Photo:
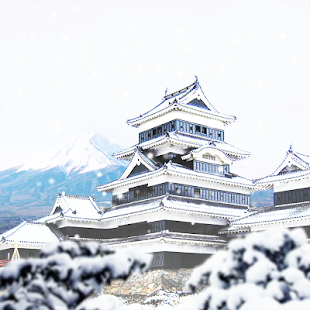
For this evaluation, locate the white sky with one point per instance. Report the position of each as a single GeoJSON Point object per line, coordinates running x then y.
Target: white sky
{"type": "Point", "coordinates": [70, 67]}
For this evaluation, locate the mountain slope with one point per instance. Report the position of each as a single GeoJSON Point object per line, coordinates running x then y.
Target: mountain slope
{"type": "Point", "coordinates": [76, 168]}
{"type": "Point", "coordinates": [84, 153]}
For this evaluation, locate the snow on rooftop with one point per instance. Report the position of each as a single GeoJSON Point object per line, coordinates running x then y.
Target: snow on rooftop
{"type": "Point", "coordinates": [284, 177]}
{"type": "Point", "coordinates": [183, 98]}
{"type": "Point", "coordinates": [175, 203]}
{"type": "Point", "coordinates": [30, 233]}
{"type": "Point", "coordinates": [221, 179]}
{"type": "Point", "coordinates": [77, 206]}
{"type": "Point", "coordinates": [187, 140]}
{"type": "Point", "coordinates": [277, 214]}
{"type": "Point", "coordinates": [178, 170]}
{"type": "Point", "coordinates": [295, 165]}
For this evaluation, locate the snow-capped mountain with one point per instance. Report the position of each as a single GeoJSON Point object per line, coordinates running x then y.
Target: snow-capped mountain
{"type": "Point", "coordinates": [76, 168]}
{"type": "Point", "coordinates": [84, 153]}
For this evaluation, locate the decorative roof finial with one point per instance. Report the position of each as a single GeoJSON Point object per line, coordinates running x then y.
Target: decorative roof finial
{"type": "Point", "coordinates": [196, 79]}
{"type": "Point", "coordinates": [166, 91]}
{"type": "Point", "coordinates": [291, 148]}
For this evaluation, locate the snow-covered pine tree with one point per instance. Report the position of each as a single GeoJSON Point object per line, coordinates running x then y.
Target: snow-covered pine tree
{"type": "Point", "coordinates": [266, 270]}
{"type": "Point", "coordinates": [64, 275]}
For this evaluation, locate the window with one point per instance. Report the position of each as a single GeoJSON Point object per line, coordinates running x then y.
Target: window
{"type": "Point", "coordinates": [159, 130]}
{"type": "Point", "coordinates": [198, 128]}
{"type": "Point", "coordinates": [154, 132]}
{"type": "Point", "coordinates": [208, 156]}
{"type": "Point", "coordinates": [204, 130]}
{"type": "Point", "coordinates": [197, 192]}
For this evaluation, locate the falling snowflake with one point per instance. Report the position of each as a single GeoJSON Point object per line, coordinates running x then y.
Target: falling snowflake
{"type": "Point", "coordinates": [51, 181]}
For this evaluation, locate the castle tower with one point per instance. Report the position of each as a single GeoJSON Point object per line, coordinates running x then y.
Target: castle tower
{"type": "Point", "coordinates": [178, 189]}
{"type": "Point", "coordinates": [290, 180]}
{"type": "Point", "coordinates": [291, 185]}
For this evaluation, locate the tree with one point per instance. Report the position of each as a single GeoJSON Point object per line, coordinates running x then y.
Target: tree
{"type": "Point", "coordinates": [64, 275]}
{"type": "Point", "coordinates": [267, 270]}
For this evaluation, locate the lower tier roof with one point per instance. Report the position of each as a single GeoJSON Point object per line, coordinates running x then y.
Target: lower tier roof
{"type": "Point", "coordinates": [185, 140]}
{"type": "Point", "coordinates": [210, 239]}
{"type": "Point", "coordinates": [175, 206]}
{"type": "Point", "coordinates": [30, 233]}
{"type": "Point", "coordinates": [275, 215]}
{"type": "Point", "coordinates": [174, 169]}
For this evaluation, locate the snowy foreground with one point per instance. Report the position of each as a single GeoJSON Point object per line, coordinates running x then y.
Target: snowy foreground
{"type": "Point", "coordinates": [268, 270]}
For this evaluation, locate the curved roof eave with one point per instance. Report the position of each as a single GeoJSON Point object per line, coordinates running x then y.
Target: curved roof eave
{"type": "Point", "coordinates": [168, 169]}
{"type": "Point", "coordinates": [227, 119]}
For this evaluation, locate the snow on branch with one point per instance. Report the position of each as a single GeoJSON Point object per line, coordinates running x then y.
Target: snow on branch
{"type": "Point", "coordinates": [65, 274]}
{"type": "Point", "coordinates": [267, 270]}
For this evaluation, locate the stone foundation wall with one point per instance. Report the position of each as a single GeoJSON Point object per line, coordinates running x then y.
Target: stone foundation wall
{"type": "Point", "coordinates": [150, 282]}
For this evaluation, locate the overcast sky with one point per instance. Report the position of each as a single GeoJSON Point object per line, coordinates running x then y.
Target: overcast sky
{"type": "Point", "coordinates": [71, 67]}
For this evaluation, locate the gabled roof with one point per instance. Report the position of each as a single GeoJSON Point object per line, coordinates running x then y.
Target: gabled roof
{"type": "Point", "coordinates": [225, 151]}
{"type": "Point", "coordinates": [29, 233]}
{"type": "Point", "coordinates": [190, 99]}
{"type": "Point", "coordinates": [139, 159]}
{"type": "Point", "coordinates": [294, 166]}
{"type": "Point", "coordinates": [75, 206]}
{"type": "Point", "coordinates": [186, 140]}
{"type": "Point", "coordinates": [177, 170]}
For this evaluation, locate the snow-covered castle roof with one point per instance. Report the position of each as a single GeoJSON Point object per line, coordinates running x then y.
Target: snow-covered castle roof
{"type": "Point", "coordinates": [190, 99]}
{"type": "Point", "coordinates": [294, 167]}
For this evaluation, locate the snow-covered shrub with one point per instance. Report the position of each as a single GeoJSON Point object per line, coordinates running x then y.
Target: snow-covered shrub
{"type": "Point", "coordinates": [64, 275]}
{"type": "Point", "coordinates": [266, 270]}
{"type": "Point", "coordinates": [163, 298]}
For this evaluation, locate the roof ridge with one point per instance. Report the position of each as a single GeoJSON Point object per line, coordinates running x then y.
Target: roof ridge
{"type": "Point", "coordinates": [16, 229]}
{"type": "Point", "coordinates": [182, 90]}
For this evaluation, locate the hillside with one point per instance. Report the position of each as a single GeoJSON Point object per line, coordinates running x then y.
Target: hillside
{"type": "Point", "coordinates": [77, 168]}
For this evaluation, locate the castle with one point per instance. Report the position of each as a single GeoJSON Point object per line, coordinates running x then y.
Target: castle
{"type": "Point", "coordinates": [178, 198]}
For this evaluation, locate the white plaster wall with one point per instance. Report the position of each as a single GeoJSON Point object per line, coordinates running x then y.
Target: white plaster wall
{"type": "Point", "coordinates": [220, 158]}
{"type": "Point", "coordinates": [189, 117]}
